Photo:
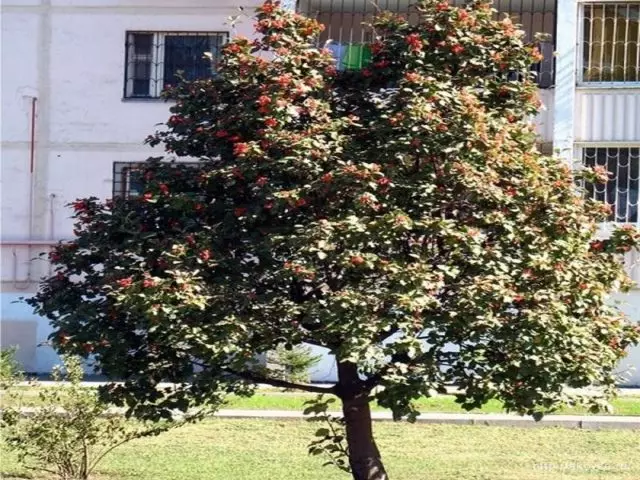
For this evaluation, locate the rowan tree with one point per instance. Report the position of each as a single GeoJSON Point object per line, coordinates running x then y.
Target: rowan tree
{"type": "Point", "coordinates": [399, 216]}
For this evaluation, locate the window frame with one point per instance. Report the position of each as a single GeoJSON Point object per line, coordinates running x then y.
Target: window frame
{"type": "Point", "coordinates": [578, 158]}
{"type": "Point", "coordinates": [581, 82]}
{"type": "Point", "coordinates": [121, 179]}
{"type": "Point", "coordinates": [156, 79]}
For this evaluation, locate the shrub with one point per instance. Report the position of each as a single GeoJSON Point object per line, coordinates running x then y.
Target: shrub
{"type": "Point", "coordinates": [73, 430]}
{"type": "Point", "coordinates": [9, 367]}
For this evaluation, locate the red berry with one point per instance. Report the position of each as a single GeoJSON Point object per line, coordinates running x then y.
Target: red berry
{"type": "Point", "coordinates": [357, 260]}
{"type": "Point", "coordinates": [262, 181]}
{"type": "Point", "coordinates": [240, 149]}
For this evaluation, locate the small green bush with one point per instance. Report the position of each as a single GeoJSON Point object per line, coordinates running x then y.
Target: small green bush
{"type": "Point", "coordinates": [9, 366]}
{"type": "Point", "coordinates": [72, 431]}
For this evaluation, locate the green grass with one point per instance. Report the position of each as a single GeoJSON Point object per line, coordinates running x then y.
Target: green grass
{"type": "Point", "coordinates": [440, 404]}
{"type": "Point", "coordinates": [277, 400]}
{"type": "Point", "coordinates": [273, 450]}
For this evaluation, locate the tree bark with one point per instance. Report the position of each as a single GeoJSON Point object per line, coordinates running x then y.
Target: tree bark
{"type": "Point", "coordinates": [364, 456]}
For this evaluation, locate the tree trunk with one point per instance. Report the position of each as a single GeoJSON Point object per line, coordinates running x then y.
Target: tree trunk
{"type": "Point", "coordinates": [364, 457]}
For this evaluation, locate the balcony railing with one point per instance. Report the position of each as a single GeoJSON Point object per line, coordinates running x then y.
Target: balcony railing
{"type": "Point", "coordinates": [346, 26]}
{"type": "Point", "coordinates": [622, 189]}
{"type": "Point", "coordinates": [611, 42]}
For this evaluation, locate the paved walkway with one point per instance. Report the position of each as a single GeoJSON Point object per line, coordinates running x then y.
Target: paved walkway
{"type": "Point", "coordinates": [590, 422]}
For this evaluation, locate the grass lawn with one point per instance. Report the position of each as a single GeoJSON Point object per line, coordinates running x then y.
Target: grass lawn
{"type": "Point", "coordinates": [628, 405]}
{"type": "Point", "coordinates": [278, 400]}
{"type": "Point", "coordinates": [228, 449]}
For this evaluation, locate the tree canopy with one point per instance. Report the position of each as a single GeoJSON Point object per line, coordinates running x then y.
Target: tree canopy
{"type": "Point", "coordinates": [399, 216]}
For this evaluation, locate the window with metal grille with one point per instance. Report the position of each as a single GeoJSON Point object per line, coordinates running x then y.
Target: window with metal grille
{"type": "Point", "coordinates": [154, 59]}
{"type": "Point", "coordinates": [611, 42]}
{"type": "Point", "coordinates": [623, 187]}
{"type": "Point", "coordinates": [128, 181]}
{"type": "Point", "coordinates": [346, 26]}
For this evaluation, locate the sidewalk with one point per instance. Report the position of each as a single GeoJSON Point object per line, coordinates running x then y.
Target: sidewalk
{"type": "Point", "coordinates": [587, 422]}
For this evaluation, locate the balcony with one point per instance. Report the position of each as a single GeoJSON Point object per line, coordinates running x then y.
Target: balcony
{"type": "Point", "coordinates": [346, 26]}
{"type": "Point", "coordinates": [346, 23]}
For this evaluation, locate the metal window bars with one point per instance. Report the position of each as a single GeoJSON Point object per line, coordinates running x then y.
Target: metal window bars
{"type": "Point", "coordinates": [346, 26]}
{"type": "Point", "coordinates": [127, 176]}
{"type": "Point", "coordinates": [127, 179]}
{"type": "Point", "coordinates": [154, 59]}
{"type": "Point", "coordinates": [621, 192]}
{"type": "Point", "coordinates": [611, 42]}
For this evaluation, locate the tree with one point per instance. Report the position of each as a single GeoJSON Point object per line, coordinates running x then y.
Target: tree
{"type": "Point", "coordinates": [399, 216]}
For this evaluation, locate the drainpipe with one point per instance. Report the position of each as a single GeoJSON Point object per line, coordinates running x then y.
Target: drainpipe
{"type": "Point", "coordinates": [32, 186]}
{"type": "Point", "coordinates": [52, 223]}
{"type": "Point", "coordinates": [32, 164]}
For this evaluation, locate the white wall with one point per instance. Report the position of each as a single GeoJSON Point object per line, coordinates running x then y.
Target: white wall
{"type": "Point", "coordinates": [544, 120]}
{"type": "Point", "coordinates": [70, 56]}
{"type": "Point", "coordinates": [630, 366]}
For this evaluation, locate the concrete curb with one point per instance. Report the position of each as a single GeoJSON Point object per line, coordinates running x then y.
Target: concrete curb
{"type": "Point", "coordinates": [593, 422]}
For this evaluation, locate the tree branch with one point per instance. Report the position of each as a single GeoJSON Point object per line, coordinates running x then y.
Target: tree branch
{"type": "Point", "coordinates": [275, 382]}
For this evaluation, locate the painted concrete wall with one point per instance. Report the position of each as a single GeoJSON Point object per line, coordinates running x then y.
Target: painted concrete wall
{"type": "Point", "coordinates": [70, 56]}
{"type": "Point", "coordinates": [630, 366]}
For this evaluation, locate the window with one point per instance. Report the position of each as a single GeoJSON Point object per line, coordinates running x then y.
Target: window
{"type": "Point", "coordinates": [611, 42]}
{"type": "Point", "coordinates": [127, 179]}
{"type": "Point", "coordinates": [153, 59]}
{"type": "Point", "coordinates": [129, 183]}
{"type": "Point", "coordinates": [621, 191]}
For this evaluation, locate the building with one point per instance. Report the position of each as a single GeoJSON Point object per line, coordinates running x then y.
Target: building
{"type": "Point", "coordinates": [81, 80]}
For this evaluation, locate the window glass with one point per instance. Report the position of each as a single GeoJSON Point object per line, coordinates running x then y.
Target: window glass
{"type": "Point", "coordinates": [185, 53]}
{"type": "Point", "coordinates": [141, 60]}
{"type": "Point", "coordinates": [154, 59]}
